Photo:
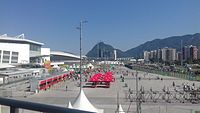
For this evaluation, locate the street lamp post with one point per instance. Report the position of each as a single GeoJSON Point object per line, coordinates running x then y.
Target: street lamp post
{"type": "Point", "coordinates": [181, 53]}
{"type": "Point", "coordinates": [138, 103]}
{"type": "Point", "coordinates": [80, 28]}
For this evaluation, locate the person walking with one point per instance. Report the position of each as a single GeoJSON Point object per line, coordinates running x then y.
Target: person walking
{"type": "Point", "coordinates": [173, 84]}
{"type": "Point", "coordinates": [66, 87]}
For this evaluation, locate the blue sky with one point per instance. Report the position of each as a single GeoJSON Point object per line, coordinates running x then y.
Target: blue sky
{"type": "Point", "coordinates": [122, 23]}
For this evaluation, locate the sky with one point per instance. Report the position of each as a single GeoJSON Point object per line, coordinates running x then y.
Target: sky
{"type": "Point", "coordinates": [124, 24]}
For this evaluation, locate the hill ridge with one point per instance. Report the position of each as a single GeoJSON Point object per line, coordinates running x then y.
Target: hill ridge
{"type": "Point", "coordinates": [173, 42]}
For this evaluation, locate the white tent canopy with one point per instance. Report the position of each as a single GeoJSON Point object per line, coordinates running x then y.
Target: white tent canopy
{"type": "Point", "coordinates": [90, 66]}
{"type": "Point", "coordinates": [56, 66]}
{"type": "Point", "coordinates": [82, 103]}
{"type": "Point", "coordinates": [70, 105]}
{"type": "Point", "coordinates": [120, 110]}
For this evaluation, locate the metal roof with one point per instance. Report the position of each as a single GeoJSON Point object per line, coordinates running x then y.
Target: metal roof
{"type": "Point", "coordinates": [3, 66]}
{"type": "Point", "coordinates": [17, 39]}
{"type": "Point", "coordinates": [64, 54]}
{"type": "Point", "coordinates": [11, 72]}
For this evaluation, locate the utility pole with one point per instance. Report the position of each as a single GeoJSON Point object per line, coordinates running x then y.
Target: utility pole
{"type": "Point", "coordinates": [80, 28]}
{"type": "Point", "coordinates": [181, 52]}
{"type": "Point", "coordinates": [117, 111]}
{"type": "Point", "coordinates": [138, 103]}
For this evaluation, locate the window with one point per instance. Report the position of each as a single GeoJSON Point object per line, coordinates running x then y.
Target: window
{"type": "Point", "coordinates": [14, 58]}
{"type": "Point", "coordinates": [14, 53]}
{"type": "Point", "coordinates": [6, 52]}
{"type": "Point", "coordinates": [34, 47]}
{"type": "Point", "coordinates": [14, 61]}
{"type": "Point", "coordinates": [6, 56]}
{"type": "Point", "coordinates": [0, 55]}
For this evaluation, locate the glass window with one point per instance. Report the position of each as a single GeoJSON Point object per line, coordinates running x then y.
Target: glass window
{"type": "Point", "coordinates": [14, 58]}
{"type": "Point", "coordinates": [0, 55]}
{"type": "Point", "coordinates": [5, 61]}
{"type": "Point", "coordinates": [15, 53]}
{"type": "Point", "coordinates": [6, 56]}
{"type": "Point", "coordinates": [6, 53]}
{"type": "Point", "coordinates": [35, 47]}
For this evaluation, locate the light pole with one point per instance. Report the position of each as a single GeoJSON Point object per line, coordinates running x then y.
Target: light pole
{"type": "Point", "coordinates": [138, 103]}
{"type": "Point", "coordinates": [80, 28]}
{"type": "Point", "coordinates": [181, 53]}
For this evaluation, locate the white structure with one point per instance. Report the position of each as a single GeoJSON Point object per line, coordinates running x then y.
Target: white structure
{"type": "Point", "coordinates": [5, 66]}
{"type": "Point", "coordinates": [11, 75]}
{"type": "Point", "coordinates": [70, 105]}
{"type": "Point", "coordinates": [45, 53]}
{"type": "Point", "coordinates": [120, 110]}
{"type": "Point", "coordinates": [146, 55]}
{"type": "Point", "coordinates": [90, 66]}
{"type": "Point", "coordinates": [59, 57]}
{"type": "Point", "coordinates": [111, 62]}
{"type": "Point", "coordinates": [18, 49]}
{"type": "Point", "coordinates": [82, 103]}
{"type": "Point", "coordinates": [115, 55]}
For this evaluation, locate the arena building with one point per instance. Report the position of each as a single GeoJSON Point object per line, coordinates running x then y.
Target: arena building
{"type": "Point", "coordinates": [18, 50]}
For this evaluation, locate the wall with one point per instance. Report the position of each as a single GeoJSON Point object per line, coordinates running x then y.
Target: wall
{"type": "Point", "coordinates": [22, 49]}
{"type": "Point", "coordinates": [46, 52]}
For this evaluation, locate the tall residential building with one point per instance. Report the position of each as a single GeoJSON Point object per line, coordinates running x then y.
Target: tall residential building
{"type": "Point", "coordinates": [178, 56]}
{"type": "Point", "coordinates": [159, 54]}
{"type": "Point", "coordinates": [146, 55]}
{"type": "Point", "coordinates": [189, 52]}
{"type": "Point", "coordinates": [193, 52]}
{"type": "Point", "coordinates": [153, 54]}
{"type": "Point", "coordinates": [168, 54]}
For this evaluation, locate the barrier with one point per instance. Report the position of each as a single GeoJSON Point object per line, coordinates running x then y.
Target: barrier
{"type": "Point", "coordinates": [15, 105]}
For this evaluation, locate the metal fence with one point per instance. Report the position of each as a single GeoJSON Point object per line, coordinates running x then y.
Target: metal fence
{"type": "Point", "coordinates": [165, 73]}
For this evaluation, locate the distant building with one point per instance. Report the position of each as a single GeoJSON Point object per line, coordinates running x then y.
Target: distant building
{"type": "Point", "coordinates": [60, 57]}
{"type": "Point", "coordinates": [146, 55]}
{"type": "Point", "coordinates": [45, 53]}
{"type": "Point", "coordinates": [115, 55]}
{"type": "Point", "coordinates": [168, 54]}
{"type": "Point", "coordinates": [193, 52]}
{"type": "Point", "coordinates": [189, 52]}
{"type": "Point", "coordinates": [178, 56]}
{"type": "Point", "coordinates": [159, 54]}
{"type": "Point", "coordinates": [153, 54]}
{"type": "Point", "coordinates": [164, 54]}
{"type": "Point", "coordinates": [125, 59]}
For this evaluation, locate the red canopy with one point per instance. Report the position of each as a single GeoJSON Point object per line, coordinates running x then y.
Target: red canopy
{"type": "Point", "coordinates": [43, 81]}
{"type": "Point", "coordinates": [96, 78]}
{"type": "Point", "coordinates": [107, 77]}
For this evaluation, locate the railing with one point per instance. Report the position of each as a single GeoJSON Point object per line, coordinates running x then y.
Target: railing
{"type": "Point", "coordinates": [15, 105]}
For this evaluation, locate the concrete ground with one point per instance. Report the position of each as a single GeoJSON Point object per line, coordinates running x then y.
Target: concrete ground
{"type": "Point", "coordinates": [106, 98]}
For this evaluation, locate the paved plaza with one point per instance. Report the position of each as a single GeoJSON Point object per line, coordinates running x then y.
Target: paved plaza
{"type": "Point", "coordinates": [106, 98]}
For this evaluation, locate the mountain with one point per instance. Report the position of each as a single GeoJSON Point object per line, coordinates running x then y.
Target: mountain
{"type": "Point", "coordinates": [102, 50]}
{"type": "Point", "coordinates": [172, 42]}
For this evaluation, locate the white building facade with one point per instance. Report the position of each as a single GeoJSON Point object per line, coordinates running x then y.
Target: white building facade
{"type": "Point", "coordinates": [17, 49]}
{"type": "Point", "coordinates": [146, 55]}
{"type": "Point", "coordinates": [45, 53]}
